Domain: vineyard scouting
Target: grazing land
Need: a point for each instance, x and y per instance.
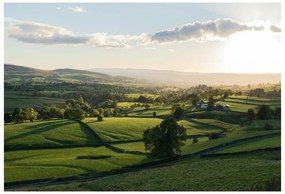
(66, 132)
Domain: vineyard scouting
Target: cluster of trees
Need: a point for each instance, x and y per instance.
(264, 113)
(19, 115)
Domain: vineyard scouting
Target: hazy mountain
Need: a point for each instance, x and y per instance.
(21, 74)
(190, 78)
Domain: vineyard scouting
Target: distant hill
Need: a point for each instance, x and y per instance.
(190, 78)
(21, 74)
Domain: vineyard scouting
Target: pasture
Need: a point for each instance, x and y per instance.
(44, 134)
(14, 100)
(121, 128)
(64, 148)
(163, 110)
(64, 162)
(233, 174)
(262, 143)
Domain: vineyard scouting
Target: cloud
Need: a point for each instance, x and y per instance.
(217, 29)
(275, 28)
(77, 9)
(58, 8)
(38, 33)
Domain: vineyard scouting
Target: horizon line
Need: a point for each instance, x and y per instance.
(129, 68)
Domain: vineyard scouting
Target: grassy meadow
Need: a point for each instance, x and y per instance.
(101, 156)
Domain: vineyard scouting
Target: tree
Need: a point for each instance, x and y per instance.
(165, 139)
(178, 113)
(8, 117)
(264, 113)
(74, 114)
(19, 118)
(195, 100)
(154, 114)
(147, 106)
(195, 140)
(250, 115)
(211, 103)
(56, 112)
(226, 94)
(31, 114)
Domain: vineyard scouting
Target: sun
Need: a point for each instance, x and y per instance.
(253, 52)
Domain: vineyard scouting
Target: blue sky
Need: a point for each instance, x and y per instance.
(146, 36)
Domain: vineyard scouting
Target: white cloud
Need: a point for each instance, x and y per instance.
(38, 33)
(77, 9)
(58, 8)
(275, 28)
(209, 30)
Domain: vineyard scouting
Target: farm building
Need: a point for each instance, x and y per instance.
(222, 107)
(203, 105)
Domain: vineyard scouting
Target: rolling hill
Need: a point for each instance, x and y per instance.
(21, 74)
(191, 78)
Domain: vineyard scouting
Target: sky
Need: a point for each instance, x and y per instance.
(192, 37)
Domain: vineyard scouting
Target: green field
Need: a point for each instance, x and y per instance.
(225, 116)
(137, 95)
(14, 100)
(127, 104)
(121, 129)
(160, 111)
(269, 142)
(234, 174)
(63, 162)
(132, 146)
(64, 148)
(199, 128)
(53, 133)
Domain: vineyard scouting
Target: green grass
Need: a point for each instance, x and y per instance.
(269, 142)
(127, 104)
(254, 99)
(217, 123)
(198, 128)
(144, 94)
(62, 162)
(237, 135)
(240, 107)
(121, 129)
(160, 111)
(259, 125)
(225, 116)
(46, 134)
(14, 100)
(132, 146)
(213, 174)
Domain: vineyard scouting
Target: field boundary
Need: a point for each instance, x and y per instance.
(153, 164)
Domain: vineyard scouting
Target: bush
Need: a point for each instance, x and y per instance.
(268, 126)
(213, 136)
(195, 140)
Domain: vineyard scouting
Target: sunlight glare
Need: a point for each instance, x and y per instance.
(254, 52)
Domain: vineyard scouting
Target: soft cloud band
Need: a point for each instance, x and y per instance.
(38, 33)
(220, 28)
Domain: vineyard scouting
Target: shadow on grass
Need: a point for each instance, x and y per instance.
(40, 128)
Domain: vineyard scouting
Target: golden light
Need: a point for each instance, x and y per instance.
(253, 52)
